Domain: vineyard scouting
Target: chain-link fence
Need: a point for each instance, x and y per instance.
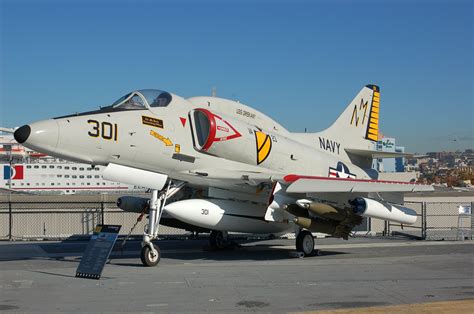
(437, 221)
(59, 220)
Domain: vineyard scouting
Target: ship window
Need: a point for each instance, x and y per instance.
(28, 184)
(96, 176)
(88, 183)
(36, 167)
(81, 169)
(88, 177)
(66, 176)
(43, 184)
(96, 169)
(22, 184)
(59, 175)
(52, 183)
(28, 167)
(60, 167)
(67, 183)
(66, 168)
(81, 177)
(43, 167)
(74, 168)
(74, 176)
(13, 183)
(74, 183)
(89, 169)
(37, 183)
(51, 167)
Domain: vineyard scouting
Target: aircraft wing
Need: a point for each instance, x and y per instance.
(310, 184)
(238, 176)
(7, 130)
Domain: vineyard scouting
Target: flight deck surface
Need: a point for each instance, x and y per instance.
(258, 276)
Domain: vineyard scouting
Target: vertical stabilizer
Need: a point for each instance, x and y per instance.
(357, 127)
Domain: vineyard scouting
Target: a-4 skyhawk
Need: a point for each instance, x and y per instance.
(220, 165)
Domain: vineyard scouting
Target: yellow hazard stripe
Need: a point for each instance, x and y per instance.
(373, 137)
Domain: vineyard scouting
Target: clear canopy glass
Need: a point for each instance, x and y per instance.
(155, 97)
(143, 98)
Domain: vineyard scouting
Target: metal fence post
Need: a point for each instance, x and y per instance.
(10, 221)
(102, 212)
(423, 221)
(472, 220)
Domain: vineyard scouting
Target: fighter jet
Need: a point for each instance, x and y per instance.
(245, 171)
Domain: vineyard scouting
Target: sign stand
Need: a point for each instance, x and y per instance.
(464, 213)
(97, 251)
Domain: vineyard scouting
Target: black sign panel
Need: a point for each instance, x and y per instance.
(97, 251)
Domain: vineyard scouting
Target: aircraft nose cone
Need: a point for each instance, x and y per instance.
(21, 134)
(41, 136)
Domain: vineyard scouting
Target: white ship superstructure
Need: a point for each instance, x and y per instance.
(26, 171)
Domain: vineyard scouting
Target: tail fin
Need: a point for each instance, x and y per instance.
(357, 127)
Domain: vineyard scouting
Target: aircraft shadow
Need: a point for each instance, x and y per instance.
(179, 250)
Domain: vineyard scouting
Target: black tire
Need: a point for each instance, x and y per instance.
(217, 241)
(305, 243)
(147, 258)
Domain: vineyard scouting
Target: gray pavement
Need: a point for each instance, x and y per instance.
(258, 276)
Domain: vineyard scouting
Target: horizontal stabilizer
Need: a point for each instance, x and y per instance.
(375, 153)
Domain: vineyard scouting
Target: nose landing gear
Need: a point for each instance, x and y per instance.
(150, 254)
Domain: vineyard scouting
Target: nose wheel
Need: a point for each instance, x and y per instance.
(150, 256)
(305, 243)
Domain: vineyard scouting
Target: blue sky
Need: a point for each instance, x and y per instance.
(300, 62)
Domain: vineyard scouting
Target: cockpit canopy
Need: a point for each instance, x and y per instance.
(142, 99)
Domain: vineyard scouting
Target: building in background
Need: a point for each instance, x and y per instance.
(388, 144)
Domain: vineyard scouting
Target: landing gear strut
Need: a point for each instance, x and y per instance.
(305, 243)
(150, 254)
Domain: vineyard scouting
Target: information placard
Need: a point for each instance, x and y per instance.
(97, 251)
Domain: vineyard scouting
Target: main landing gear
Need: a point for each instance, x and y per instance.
(218, 240)
(305, 243)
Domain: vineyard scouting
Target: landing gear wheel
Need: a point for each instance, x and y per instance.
(217, 240)
(148, 257)
(305, 243)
